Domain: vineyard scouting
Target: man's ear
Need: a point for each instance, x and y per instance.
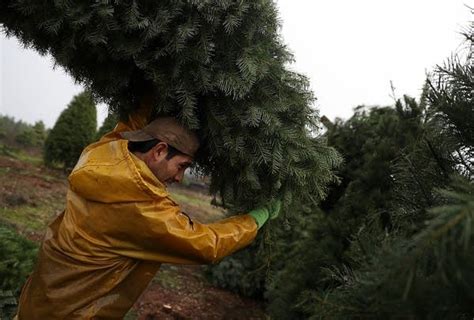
(160, 149)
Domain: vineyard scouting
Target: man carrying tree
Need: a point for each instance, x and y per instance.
(120, 224)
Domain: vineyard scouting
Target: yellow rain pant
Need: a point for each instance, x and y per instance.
(119, 225)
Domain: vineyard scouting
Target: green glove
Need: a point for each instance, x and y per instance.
(260, 215)
(274, 209)
(270, 211)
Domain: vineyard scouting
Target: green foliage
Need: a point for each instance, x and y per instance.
(251, 271)
(388, 243)
(74, 130)
(318, 244)
(422, 267)
(20, 134)
(17, 257)
(109, 124)
(40, 133)
(26, 138)
(7, 151)
(376, 248)
(243, 272)
(368, 141)
(33, 136)
(219, 66)
(8, 305)
(9, 129)
(427, 276)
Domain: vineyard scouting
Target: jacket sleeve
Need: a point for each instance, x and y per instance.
(159, 231)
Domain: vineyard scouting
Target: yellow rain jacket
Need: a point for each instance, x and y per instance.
(119, 225)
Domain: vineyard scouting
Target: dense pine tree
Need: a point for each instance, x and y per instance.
(17, 258)
(423, 268)
(368, 141)
(40, 133)
(218, 65)
(394, 238)
(14, 132)
(32, 136)
(108, 125)
(74, 129)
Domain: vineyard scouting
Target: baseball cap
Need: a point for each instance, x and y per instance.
(169, 130)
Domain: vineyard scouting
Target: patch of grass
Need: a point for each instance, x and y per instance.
(168, 278)
(180, 197)
(28, 217)
(20, 155)
(8, 151)
(34, 160)
(31, 172)
(4, 170)
(198, 206)
(49, 178)
(34, 172)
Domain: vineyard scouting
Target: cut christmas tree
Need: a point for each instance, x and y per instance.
(219, 66)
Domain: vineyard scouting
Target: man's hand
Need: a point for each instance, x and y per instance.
(270, 211)
(274, 209)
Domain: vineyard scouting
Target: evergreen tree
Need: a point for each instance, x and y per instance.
(109, 124)
(426, 276)
(244, 272)
(368, 141)
(32, 136)
(26, 138)
(218, 65)
(17, 258)
(40, 133)
(74, 130)
(10, 130)
(316, 238)
(423, 268)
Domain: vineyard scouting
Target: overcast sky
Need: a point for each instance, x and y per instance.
(350, 50)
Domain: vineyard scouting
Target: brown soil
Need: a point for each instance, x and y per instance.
(193, 298)
(23, 183)
(177, 292)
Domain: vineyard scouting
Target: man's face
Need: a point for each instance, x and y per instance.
(167, 170)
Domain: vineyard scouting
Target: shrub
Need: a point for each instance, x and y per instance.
(74, 130)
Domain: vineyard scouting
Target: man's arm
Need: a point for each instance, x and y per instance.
(159, 231)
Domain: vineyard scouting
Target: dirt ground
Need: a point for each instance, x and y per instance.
(181, 292)
(32, 195)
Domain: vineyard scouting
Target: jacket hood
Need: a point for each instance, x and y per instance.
(108, 172)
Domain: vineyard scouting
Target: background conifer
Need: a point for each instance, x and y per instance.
(422, 266)
(108, 125)
(74, 130)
